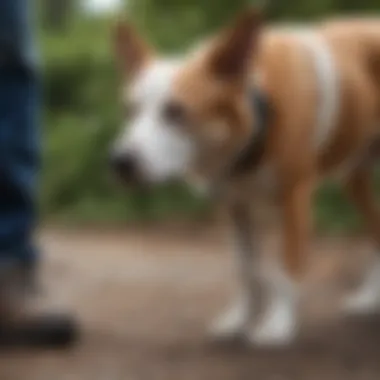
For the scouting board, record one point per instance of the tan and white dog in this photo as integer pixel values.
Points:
(192, 117)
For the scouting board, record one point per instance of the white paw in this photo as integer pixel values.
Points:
(367, 298)
(278, 325)
(277, 328)
(230, 324)
(361, 303)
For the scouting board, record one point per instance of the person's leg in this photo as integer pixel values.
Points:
(19, 149)
(19, 164)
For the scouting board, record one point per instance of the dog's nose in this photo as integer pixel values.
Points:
(124, 165)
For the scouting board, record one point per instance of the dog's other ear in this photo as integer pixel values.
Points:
(235, 47)
(132, 53)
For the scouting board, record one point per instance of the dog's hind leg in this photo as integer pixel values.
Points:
(235, 320)
(367, 297)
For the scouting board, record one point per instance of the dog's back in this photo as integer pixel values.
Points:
(355, 44)
(325, 82)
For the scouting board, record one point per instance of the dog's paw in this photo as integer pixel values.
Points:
(229, 325)
(277, 328)
(366, 299)
(360, 304)
(268, 337)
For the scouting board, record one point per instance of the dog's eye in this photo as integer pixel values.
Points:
(175, 113)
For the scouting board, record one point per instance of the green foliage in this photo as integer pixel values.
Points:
(175, 24)
(82, 113)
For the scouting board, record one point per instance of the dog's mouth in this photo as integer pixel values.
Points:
(140, 183)
(126, 181)
(127, 172)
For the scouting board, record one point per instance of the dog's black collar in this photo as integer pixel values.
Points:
(250, 157)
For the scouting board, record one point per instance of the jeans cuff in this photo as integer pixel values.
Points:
(24, 256)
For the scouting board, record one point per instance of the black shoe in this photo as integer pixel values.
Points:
(21, 325)
(44, 331)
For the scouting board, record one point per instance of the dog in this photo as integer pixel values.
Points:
(278, 108)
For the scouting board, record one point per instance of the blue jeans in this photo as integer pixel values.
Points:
(19, 132)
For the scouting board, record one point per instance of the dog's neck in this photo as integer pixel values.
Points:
(249, 156)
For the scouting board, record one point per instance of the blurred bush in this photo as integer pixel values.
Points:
(82, 114)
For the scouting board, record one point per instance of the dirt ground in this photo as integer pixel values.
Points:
(145, 297)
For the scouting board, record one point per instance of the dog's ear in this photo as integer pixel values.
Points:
(234, 48)
(131, 51)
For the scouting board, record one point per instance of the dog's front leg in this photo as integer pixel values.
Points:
(236, 319)
(280, 320)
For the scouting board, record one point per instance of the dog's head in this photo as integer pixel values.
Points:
(186, 116)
